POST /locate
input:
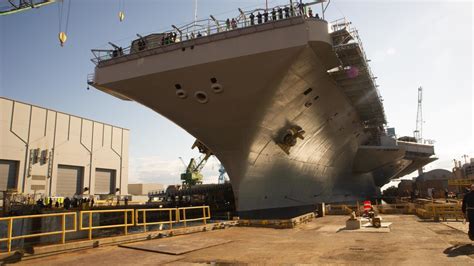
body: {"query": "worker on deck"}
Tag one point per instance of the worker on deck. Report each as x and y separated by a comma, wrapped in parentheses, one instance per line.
(265, 16)
(287, 12)
(301, 10)
(259, 18)
(468, 211)
(274, 14)
(280, 13)
(252, 17)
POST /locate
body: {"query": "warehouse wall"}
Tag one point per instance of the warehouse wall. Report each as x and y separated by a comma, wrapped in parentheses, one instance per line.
(40, 139)
(144, 189)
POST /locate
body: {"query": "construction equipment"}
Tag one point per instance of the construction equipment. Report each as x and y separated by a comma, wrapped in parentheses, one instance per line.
(418, 133)
(192, 175)
(14, 6)
(222, 173)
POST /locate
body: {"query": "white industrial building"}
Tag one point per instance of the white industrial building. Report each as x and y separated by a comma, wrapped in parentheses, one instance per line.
(45, 152)
(144, 188)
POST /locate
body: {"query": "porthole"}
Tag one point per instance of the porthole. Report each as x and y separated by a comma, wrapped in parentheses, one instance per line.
(308, 104)
(201, 97)
(217, 88)
(181, 94)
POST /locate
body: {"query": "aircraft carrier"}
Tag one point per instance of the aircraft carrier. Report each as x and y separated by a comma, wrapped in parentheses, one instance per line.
(287, 103)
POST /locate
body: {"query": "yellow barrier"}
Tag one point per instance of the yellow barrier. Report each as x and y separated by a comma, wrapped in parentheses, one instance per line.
(206, 214)
(179, 216)
(443, 211)
(91, 227)
(397, 208)
(461, 182)
(63, 230)
(338, 209)
(145, 211)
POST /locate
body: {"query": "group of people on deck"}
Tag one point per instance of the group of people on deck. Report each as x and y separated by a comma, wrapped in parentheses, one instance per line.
(277, 13)
(282, 13)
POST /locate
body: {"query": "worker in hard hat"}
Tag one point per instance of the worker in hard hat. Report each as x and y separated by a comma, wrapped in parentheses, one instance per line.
(468, 210)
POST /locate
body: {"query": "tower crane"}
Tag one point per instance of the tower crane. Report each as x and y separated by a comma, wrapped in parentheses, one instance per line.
(418, 133)
(14, 6)
(222, 173)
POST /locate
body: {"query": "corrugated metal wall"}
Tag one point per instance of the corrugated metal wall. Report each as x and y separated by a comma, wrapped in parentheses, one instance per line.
(104, 181)
(40, 139)
(8, 174)
(70, 180)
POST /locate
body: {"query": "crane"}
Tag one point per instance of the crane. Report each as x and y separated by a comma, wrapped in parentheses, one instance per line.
(192, 175)
(14, 6)
(222, 173)
(418, 133)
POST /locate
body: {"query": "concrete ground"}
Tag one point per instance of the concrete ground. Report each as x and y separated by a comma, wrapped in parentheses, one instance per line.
(410, 242)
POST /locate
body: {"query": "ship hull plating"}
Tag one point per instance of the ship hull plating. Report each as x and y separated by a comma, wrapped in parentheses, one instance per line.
(262, 96)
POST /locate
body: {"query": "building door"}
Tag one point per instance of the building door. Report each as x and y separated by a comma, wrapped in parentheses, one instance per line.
(70, 180)
(8, 174)
(104, 181)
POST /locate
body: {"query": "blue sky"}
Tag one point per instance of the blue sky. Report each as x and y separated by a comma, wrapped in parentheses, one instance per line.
(410, 44)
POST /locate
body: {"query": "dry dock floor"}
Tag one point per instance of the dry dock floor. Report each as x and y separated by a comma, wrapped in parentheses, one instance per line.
(410, 242)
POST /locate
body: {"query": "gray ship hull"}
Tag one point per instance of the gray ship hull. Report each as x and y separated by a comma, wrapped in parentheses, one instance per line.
(272, 81)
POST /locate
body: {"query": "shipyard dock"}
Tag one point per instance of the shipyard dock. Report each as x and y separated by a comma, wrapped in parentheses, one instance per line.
(323, 240)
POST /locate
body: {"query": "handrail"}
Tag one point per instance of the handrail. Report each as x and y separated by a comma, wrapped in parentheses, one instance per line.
(203, 27)
(91, 226)
(63, 230)
(206, 214)
(144, 215)
(343, 23)
(174, 217)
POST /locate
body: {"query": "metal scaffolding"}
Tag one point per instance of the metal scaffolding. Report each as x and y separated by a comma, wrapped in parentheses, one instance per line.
(13, 6)
(354, 75)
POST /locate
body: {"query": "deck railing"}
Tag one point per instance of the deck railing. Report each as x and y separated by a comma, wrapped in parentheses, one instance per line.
(201, 28)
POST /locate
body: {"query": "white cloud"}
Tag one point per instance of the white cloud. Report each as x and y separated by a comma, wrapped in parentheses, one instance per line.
(154, 169)
(391, 51)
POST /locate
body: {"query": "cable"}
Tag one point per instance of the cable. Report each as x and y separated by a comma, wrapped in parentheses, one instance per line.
(60, 13)
(334, 3)
(67, 17)
(167, 28)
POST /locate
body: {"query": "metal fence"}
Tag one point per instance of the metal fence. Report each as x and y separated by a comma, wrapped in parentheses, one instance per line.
(170, 213)
(206, 214)
(90, 220)
(90, 224)
(10, 220)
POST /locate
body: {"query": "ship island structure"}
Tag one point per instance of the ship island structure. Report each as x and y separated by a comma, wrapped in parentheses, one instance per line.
(285, 100)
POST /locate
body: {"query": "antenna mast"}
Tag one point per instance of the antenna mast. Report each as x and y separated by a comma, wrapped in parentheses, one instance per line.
(418, 133)
(195, 11)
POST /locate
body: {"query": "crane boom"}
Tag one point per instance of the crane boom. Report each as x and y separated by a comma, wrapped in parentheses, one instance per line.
(418, 133)
(14, 6)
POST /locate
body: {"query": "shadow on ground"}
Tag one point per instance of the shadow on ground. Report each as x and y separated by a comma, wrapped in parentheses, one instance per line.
(460, 250)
